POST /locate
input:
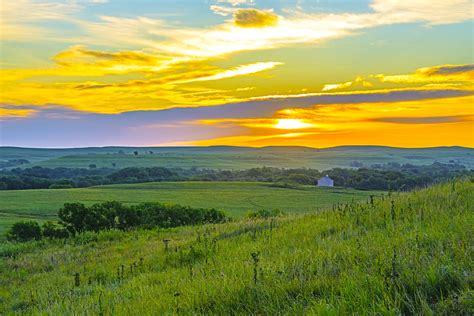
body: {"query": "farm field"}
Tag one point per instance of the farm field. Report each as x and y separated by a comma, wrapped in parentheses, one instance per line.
(236, 198)
(407, 253)
(228, 157)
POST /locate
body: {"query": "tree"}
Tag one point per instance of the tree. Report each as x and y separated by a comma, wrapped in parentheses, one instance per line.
(24, 231)
(73, 216)
(114, 165)
(92, 166)
(135, 153)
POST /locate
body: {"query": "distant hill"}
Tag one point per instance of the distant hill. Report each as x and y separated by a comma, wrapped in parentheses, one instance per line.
(230, 157)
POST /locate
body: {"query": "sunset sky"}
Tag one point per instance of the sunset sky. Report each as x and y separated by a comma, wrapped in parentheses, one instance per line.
(314, 73)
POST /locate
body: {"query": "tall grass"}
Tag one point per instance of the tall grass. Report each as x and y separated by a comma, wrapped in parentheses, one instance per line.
(407, 253)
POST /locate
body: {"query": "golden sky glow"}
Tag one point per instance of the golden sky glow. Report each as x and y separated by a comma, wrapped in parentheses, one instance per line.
(291, 124)
(240, 72)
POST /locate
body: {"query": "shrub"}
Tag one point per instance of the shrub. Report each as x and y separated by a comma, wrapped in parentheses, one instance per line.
(51, 230)
(24, 231)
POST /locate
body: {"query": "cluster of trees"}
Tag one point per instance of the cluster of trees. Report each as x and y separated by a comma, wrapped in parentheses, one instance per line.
(77, 218)
(394, 176)
(63, 178)
(264, 174)
(391, 176)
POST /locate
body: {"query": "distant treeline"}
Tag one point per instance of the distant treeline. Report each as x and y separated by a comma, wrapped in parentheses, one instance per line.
(77, 218)
(12, 163)
(392, 176)
(63, 178)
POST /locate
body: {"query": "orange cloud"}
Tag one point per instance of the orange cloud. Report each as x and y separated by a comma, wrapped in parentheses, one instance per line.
(12, 113)
(371, 123)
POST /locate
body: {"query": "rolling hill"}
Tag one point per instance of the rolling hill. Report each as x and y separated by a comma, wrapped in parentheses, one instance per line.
(235, 198)
(407, 253)
(228, 157)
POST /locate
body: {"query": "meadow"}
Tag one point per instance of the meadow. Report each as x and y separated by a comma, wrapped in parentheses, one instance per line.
(403, 253)
(235, 198)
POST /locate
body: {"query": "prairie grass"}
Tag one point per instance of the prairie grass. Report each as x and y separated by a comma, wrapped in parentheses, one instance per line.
(408, 253)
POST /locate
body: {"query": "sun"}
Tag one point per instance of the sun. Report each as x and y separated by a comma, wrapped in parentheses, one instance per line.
(291, 124)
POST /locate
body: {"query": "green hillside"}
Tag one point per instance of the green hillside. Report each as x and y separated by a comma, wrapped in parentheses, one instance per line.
(228, 157)
(408, 253)
(236, 198)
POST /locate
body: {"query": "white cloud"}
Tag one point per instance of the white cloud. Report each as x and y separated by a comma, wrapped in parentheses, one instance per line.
(291, 29)
(240, 71)
(222, 11)
(428, 11)
(20, 18)
(237, 2)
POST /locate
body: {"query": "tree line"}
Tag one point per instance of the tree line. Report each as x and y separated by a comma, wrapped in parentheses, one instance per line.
(392, 176)
(76, 218)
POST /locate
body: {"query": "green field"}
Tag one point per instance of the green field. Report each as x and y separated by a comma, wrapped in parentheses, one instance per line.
(235, 198)
(404, 254)
(237, 157)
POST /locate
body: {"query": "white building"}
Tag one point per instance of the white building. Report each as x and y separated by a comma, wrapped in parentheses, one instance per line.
(325, 182)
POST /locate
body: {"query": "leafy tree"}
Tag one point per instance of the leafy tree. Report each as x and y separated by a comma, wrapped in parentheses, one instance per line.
(73, 217)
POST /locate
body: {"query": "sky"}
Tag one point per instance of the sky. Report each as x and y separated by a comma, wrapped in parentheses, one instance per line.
(318, 73)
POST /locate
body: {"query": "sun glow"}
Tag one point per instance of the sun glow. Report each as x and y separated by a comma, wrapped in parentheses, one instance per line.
(291, 124)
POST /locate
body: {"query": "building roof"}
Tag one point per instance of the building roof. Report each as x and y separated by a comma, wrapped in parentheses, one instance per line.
(326, 177)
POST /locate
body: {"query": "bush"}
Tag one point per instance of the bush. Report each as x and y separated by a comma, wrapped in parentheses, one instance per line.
(25, 231)
(51, 230)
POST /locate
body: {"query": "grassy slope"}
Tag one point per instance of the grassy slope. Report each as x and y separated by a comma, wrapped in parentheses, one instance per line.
(237, 157)
(414, 257)
(233, 197)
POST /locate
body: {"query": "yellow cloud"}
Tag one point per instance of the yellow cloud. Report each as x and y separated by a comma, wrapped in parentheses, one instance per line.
(115, 97)
(461, 76)
(172, 59)
(358, 82)
(254, 18)
(436, 74)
